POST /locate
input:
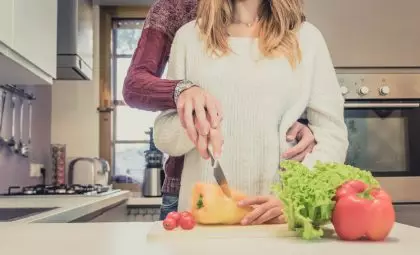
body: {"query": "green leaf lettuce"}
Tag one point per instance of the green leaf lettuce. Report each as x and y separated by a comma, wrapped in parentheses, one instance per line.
(307, 194)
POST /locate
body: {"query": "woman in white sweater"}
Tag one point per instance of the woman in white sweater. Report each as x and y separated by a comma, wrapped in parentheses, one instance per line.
(267, 67)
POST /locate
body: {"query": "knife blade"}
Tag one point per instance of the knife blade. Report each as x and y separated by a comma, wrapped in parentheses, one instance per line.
(219, 175)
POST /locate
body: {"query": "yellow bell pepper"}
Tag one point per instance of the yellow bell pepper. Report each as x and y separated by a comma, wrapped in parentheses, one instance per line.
(211, 206)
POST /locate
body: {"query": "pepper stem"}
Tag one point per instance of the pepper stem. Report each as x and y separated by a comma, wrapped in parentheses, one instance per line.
(200, 203)
(366, 194)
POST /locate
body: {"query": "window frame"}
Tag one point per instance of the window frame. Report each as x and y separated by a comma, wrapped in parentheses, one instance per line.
(114, 83)
(107, 123)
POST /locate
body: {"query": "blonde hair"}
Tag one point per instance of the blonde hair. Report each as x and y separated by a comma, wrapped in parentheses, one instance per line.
(279, 21)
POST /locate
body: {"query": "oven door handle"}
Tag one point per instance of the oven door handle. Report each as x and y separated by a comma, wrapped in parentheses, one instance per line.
(380, 105)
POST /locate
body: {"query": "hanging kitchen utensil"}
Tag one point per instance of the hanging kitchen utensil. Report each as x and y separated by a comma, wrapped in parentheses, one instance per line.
(11, 142)
(19, 145)
(3, 101)
(26, 147)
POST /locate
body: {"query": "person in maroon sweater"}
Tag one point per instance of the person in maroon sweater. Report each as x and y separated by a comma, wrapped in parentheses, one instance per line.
(145, 90)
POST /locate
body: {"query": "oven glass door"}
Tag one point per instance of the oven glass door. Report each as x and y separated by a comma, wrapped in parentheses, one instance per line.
(384, 137)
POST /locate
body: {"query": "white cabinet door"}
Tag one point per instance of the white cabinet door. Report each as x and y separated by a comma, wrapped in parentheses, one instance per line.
(35, 33)
(6, 22)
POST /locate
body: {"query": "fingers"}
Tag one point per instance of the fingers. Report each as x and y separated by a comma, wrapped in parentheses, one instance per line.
(302, 155)
(202, 145)
(216, 140)
(277, 220)
(271, 214)
(189, 121)
(261, 214)
(265, 209)
(181, 110)
(200, 114)
(257, 200)
(213, 113)
(298, 148)
(306, 141)
(293, 131)
(219, 110)
(194, 105)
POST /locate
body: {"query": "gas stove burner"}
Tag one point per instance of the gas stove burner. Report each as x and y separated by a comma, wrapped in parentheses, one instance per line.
(74, 189)
(33, 190)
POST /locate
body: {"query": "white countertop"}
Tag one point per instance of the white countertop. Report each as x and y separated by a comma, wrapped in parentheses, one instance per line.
(144, 201)
(69, 207)
(130, 238)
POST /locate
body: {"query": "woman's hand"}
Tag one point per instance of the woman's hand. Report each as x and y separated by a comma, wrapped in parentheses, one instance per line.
(214, 138)
(195, 102)
(267, 209)
(306, 142)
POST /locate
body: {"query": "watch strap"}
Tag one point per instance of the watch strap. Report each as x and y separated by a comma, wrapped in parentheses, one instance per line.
(181, 87)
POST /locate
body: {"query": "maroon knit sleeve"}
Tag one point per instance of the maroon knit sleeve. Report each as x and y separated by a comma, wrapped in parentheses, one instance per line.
(143, 87)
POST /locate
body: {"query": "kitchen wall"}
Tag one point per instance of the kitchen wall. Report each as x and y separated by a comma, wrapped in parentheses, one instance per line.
(75, 120)
(14, 169)
(63, 113)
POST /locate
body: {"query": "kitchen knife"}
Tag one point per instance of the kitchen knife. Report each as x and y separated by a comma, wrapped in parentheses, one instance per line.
(219, 175)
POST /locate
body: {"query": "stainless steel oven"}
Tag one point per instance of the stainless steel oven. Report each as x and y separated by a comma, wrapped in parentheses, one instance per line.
(382, 113)
(375, 47)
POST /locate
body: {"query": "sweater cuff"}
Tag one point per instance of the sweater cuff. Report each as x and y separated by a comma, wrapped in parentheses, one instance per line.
(303, 121)
(165, 94)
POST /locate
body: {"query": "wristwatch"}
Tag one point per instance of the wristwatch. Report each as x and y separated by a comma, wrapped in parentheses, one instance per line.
(181, 87)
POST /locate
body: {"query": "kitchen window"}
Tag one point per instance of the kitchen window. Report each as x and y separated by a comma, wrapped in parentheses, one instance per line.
(129, 138)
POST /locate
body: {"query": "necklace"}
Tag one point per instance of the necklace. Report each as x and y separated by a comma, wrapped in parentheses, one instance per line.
(245, 23)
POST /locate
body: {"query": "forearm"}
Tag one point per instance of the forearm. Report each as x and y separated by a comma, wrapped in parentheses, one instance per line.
(169, 135)
(143, 87)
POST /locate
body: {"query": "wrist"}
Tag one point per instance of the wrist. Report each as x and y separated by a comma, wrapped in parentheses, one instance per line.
(181, 87)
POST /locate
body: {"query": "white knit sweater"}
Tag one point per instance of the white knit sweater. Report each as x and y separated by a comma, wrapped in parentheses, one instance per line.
(261, 99)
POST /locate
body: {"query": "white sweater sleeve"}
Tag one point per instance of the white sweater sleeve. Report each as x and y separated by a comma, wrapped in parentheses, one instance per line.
(168, 134)
(325, 110)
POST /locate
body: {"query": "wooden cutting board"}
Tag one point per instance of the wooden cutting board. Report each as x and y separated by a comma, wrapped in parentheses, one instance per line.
(157, 232)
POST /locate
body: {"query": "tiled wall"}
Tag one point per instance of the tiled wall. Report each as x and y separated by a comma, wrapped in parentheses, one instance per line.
(14, 169)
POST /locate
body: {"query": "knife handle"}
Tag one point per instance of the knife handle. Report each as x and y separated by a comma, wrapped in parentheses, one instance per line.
(214, 161)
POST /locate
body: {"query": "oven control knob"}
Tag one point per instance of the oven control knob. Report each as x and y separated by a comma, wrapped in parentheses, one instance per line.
(363, 90)
(384, 90)
(344, 90)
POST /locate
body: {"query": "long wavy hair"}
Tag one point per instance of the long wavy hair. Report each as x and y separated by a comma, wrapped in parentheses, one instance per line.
(279, 21)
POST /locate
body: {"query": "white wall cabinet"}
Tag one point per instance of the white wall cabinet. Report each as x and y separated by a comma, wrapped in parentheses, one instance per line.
(35, 33)
(6, 22)
(28, 30)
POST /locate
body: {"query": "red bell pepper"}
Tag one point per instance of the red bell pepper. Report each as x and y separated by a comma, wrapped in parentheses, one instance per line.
(362, 212)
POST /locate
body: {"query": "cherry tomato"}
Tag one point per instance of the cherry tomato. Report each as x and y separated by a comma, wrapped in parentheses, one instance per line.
(174, 215)
(169, 224)
(186, 214)
(187, 222)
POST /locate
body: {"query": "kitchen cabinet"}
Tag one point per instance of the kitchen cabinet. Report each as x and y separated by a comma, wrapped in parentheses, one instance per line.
(35, 33)
(6, 22)
(408, 214)
(28, 30)
(128, 213)
(116, 214)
